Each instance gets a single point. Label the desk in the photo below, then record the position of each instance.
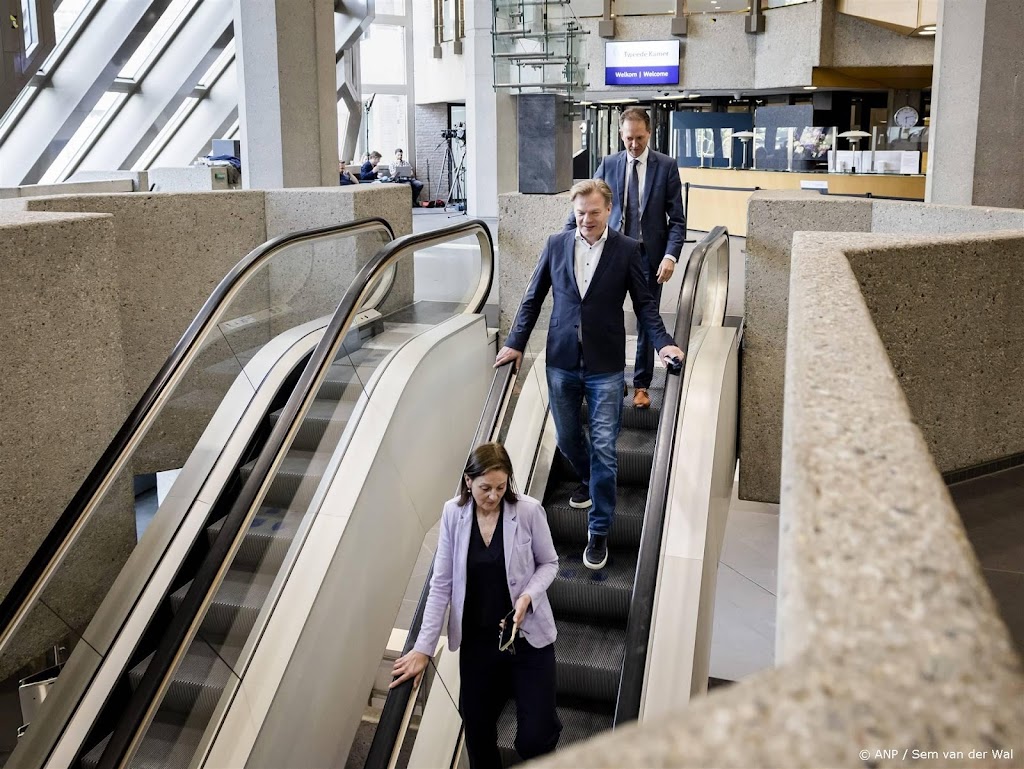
(709, 208)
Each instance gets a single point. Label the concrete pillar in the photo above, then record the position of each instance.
(976, 147)
(288, 97)
(482, 146)
(545, 144)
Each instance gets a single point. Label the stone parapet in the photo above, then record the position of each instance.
(773, 218)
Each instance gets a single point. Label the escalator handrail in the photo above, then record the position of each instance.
(392, 717)
(641, 608)
(136, 717)
(46, 560)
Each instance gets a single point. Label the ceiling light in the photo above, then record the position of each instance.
(694, 95)
(618, 101)
(925, 32)
(810, 88)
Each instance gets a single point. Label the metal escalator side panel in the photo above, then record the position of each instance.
(679, 655)
(82, 688)
(320, 648)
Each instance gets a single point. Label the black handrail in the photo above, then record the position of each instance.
(641, 607)
(392, 716)
(183, 626)
(34, 577)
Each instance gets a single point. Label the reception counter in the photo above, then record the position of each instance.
(728, 206)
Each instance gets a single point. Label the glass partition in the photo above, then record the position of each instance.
(290, 498)
(275, 309)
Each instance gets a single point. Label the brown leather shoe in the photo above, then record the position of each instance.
(641, 400)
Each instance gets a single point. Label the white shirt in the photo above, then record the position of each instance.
(641, 176)
(586, 258)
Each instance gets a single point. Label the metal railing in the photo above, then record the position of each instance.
(641, 610)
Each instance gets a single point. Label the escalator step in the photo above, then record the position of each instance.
(589, 660)
(593, 595)
(296, 481)
(325, 419)
(569, 524)
(577, 724)
(197, 684)
(169, 743)
(347, 376)
(234, 609)
(267, 540)
(641, 419)
(634, 450)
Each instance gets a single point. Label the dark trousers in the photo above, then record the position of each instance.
(643, 370)
(489, 678)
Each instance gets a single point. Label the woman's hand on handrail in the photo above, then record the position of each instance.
(407, 666)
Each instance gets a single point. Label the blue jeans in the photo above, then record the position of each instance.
(594, 461)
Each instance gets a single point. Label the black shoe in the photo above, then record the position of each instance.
(596, 554)
(580, 498)
(625, 390)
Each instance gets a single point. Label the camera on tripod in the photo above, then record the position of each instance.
(458, 132)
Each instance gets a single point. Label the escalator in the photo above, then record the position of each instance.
(604, 618)
(157, 673)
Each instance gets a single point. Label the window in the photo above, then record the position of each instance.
(388, 125)
(382, 55)
(390, 8)
(159, 36)
(29, 26)
(83, 139)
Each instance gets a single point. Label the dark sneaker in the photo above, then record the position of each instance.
(596, 554)
(580, 498)
(625, 390)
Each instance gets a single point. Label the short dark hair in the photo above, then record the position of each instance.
(374, 154)
(635, 113)
(399, 150)
(483, 459)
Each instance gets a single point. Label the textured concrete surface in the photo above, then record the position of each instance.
(859, 43)
(63, 397)
(954, 339)
(899, 217)
(545, 144)
(772, 219)
(888, 638)
(524, 224)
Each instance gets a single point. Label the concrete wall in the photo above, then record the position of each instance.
(773, 219)
(859, 43)
(63, 397)
(887, 634)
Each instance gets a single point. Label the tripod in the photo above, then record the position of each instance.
(456, 180)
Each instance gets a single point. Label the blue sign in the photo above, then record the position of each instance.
(653, 62)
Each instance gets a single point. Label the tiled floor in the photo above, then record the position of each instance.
(743, 639)
(992, 510)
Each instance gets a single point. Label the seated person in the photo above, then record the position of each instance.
(344, 177)
(368, 171)
(398, 173)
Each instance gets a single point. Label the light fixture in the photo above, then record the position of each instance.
(744, 137)
(694, 96)
(674, 97)
(810, 88)
(854, 138)
(618, 101)
(925, 32)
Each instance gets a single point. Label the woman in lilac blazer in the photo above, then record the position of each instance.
(494, 563)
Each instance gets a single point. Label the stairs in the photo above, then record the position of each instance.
(591, 608)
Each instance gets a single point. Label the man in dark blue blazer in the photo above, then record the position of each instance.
(647, 205)
(589, 271)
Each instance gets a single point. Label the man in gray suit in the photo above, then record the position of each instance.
(647, 205)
